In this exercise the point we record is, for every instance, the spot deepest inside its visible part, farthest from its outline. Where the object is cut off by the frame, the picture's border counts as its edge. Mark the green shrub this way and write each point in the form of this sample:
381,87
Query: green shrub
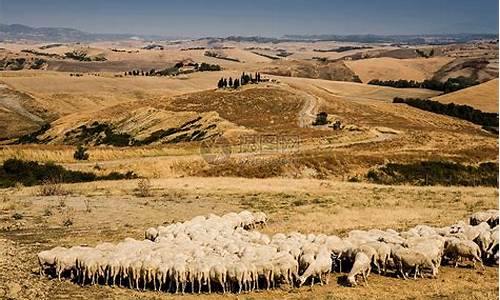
31,173
321,119
208,67
436,173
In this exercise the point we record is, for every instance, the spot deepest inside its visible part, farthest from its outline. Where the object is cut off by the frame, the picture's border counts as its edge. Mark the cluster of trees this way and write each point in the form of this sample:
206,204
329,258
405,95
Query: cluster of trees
208,67
236,83
175,70
450,85
454,110
151,72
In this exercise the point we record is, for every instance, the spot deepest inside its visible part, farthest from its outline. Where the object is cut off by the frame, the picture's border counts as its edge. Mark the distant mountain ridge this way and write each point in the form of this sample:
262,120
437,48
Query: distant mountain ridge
16,32
60,34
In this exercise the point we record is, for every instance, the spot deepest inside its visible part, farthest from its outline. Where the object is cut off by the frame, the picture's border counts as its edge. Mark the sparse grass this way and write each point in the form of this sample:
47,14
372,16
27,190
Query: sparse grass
51,187
62,203
47,212
67,222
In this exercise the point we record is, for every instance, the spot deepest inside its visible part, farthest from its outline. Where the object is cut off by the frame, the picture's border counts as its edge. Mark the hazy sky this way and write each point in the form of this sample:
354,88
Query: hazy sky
256,17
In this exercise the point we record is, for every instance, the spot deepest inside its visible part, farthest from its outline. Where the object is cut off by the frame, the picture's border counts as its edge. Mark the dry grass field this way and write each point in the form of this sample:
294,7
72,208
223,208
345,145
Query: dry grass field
483,97
386,68
280,163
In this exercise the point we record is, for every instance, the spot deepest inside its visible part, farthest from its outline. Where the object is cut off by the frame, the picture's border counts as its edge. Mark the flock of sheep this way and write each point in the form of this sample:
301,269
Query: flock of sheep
226,254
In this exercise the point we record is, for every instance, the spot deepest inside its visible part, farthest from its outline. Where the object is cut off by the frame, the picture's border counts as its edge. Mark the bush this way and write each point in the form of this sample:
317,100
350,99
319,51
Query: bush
321,119
81,153
17,216
436,173
144,188
51,187
67,222
208,67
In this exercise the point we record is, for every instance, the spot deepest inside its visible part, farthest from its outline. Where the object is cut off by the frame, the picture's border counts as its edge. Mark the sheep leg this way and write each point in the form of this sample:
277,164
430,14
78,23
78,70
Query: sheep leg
365,278
416,272
83,278
402,273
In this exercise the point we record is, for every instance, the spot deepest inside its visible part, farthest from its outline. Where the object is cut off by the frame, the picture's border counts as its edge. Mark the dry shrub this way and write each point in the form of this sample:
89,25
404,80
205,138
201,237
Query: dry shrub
144,187
88,207
52,187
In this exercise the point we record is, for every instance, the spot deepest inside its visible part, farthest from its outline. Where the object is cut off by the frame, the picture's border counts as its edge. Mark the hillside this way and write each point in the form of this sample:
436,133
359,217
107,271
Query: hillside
483,96
386,68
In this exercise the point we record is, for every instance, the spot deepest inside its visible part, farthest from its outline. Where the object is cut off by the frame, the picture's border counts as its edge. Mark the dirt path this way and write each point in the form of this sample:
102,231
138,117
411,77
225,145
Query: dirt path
310,108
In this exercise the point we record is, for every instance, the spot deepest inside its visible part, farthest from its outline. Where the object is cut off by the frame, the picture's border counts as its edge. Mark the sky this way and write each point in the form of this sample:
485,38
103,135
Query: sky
273,18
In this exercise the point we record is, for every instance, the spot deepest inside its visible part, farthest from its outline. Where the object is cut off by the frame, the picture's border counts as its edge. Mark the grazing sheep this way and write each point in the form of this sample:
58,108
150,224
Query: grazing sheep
406,259
47,259
224,253
361,267
456,249
321,266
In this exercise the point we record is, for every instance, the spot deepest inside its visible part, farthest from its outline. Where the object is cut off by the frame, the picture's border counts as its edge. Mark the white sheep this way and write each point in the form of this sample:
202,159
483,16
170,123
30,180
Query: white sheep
456,249
361,267
321,266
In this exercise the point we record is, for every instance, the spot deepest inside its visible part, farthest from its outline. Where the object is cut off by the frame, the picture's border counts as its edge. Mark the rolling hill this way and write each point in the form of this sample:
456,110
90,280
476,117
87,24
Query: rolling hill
483,96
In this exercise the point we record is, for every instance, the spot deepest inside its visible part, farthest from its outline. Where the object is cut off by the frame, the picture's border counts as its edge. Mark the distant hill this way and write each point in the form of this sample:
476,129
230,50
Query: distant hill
16,32
437,39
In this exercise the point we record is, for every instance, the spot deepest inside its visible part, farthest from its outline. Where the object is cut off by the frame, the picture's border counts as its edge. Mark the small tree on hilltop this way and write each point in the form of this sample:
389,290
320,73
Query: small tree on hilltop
81,153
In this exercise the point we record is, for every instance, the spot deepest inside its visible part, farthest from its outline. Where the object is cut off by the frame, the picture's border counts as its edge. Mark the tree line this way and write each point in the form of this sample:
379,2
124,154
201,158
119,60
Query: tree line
175,70
450,85
464,112
237,82
436,173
